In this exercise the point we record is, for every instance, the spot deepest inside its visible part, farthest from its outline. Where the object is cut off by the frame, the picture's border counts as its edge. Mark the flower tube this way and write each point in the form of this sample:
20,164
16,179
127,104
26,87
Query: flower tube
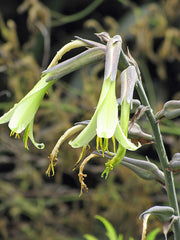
105,123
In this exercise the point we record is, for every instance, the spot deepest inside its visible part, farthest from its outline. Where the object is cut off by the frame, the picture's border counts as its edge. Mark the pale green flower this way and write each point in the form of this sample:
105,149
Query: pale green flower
105,122
128,79
21,116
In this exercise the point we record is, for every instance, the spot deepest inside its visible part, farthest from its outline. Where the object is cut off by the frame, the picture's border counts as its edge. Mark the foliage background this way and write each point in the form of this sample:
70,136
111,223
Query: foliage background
33,206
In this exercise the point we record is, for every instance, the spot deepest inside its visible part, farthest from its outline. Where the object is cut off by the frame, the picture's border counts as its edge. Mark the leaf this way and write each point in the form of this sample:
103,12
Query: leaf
111,233
89,237
152,235
120,237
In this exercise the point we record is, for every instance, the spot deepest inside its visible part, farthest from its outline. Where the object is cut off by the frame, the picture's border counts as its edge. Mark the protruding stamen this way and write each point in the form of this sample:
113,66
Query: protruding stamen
17,136
97,143
81,156
101,145
12,133
114,144
105,144
25,137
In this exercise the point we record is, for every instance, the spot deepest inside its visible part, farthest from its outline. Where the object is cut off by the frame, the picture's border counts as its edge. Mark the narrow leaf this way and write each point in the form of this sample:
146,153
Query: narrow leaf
152,235
89,237
111,233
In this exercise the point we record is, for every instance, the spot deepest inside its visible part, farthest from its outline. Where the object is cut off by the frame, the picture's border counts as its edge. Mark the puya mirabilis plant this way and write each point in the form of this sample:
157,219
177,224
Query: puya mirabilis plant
106,123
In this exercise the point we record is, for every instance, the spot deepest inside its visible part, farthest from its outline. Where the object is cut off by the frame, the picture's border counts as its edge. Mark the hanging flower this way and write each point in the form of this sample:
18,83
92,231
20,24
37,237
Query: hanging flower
128,79
21,116
105,122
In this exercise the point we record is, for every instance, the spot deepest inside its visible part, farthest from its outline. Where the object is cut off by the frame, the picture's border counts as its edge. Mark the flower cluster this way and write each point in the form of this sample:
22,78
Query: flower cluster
106,123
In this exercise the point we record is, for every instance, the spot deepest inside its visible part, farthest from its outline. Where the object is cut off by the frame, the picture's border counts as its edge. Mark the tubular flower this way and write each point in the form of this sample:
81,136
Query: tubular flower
128,80
105,122
21,116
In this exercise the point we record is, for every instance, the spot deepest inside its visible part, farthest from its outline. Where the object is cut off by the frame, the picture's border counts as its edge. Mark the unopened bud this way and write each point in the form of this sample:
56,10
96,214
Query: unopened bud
171,109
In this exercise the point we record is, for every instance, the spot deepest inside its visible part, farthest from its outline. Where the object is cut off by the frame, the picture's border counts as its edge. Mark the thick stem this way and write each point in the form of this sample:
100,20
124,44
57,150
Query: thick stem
169,180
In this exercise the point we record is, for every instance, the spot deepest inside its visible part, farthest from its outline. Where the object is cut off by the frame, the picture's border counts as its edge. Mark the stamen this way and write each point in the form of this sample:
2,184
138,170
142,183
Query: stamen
114,144
81,156
12,133
25,138
106,141
109,167
97,143
101,145
17,136
105,144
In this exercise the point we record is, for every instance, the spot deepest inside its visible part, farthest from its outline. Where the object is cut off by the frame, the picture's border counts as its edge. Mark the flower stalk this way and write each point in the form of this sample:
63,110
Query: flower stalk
169,180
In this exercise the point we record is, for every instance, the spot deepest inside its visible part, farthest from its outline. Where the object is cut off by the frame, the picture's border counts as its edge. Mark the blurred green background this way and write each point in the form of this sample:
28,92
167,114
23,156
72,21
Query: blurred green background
33,206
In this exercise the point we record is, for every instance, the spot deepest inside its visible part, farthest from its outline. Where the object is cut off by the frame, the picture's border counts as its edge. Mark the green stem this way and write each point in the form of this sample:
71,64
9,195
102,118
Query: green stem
77,16
169,180
148,83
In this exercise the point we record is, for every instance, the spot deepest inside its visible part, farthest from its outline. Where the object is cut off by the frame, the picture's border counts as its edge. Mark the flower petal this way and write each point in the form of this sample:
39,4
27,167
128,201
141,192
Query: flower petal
129,78
86,135
37,145
90,131
27,107
107,116
7,116
113,51
25,111
29,134
122,139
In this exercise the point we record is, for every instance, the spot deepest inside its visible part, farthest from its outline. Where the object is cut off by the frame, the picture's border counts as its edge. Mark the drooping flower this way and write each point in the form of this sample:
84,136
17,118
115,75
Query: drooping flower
128,79
105,122
21,116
